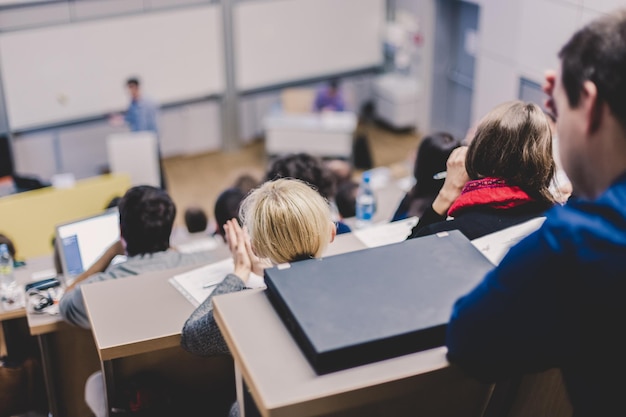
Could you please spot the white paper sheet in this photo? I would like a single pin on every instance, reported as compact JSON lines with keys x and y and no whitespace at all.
{"x":196,"y":285}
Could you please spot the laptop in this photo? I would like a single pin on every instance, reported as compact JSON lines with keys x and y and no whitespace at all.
{"x":378,"y":303}
{"x":81,"y":242}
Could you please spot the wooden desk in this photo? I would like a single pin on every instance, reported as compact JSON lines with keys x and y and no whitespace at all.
{"x":282,"y":382}
{"x":68,"y":355}
{"x":24,"y":275}
{"x":136,"y":325}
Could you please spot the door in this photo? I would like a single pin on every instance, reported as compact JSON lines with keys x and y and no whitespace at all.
{"x":456,"y":37}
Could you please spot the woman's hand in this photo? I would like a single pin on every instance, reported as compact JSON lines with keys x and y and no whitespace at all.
{"x":456,"y":178}
{"x":237,"y":244}
{"x":244,"y":257}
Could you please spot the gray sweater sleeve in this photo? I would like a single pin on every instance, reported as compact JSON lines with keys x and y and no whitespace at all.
{"x":72,"y":308}
{"x":200,"y":334}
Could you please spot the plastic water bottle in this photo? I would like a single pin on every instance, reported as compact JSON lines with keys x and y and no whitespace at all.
{"x":365,"y":203}
{"x":7,"y":278}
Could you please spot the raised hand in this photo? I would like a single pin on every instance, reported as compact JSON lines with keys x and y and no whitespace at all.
{"x":237,"y":244}
{"x":456,"y":178}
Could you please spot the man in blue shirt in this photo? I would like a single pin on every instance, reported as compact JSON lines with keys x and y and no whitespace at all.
{"x":557,"y":299}
{"x":142,"y":115}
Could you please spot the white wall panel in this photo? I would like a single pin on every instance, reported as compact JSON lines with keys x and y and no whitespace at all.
{"x":495,"y":82}
{"x":34,"y":16}
{"x":35,"y":155}
{"x":100,"y":8}
{"x":78,"y":71}
{"x":545,"y":27}
{"x":605,"y":6}
{"x":278,"y":41}
{"x":499,"y":28}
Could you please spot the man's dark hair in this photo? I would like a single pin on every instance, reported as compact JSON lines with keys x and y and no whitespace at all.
{"x":597,"y":53}
{"x":227,"y":207}
{"x":133,"y":81}
{"x":306,"y":168}
{"x":346,"y":198}
{"x":195,"y":220}
{"x":115,"y":201}
{"x":333,"y":84}
{"x":146,"y":218}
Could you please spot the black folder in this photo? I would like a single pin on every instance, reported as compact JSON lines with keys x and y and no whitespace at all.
{"x":377,"y":303}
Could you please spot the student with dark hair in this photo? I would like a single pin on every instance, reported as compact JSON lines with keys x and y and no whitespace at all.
{"x":346,"y":198}
{"x":196,"y":220}
{"x":502,"y":179}
{"x":429,"y":171}
{"x":227,"y":207}
{"x":115,"y":201}
{"x":556,"y":300}
{"x":146,"y":218}
{"x":307,"y":168}
{"x":4,"y":239}
{"x":314,"y":172}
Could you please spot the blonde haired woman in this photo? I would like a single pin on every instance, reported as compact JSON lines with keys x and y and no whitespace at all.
{"x":285,"y":221}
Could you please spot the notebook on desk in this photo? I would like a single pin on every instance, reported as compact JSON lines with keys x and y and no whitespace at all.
{"x":81,"y":242}
{"x":377,"y":303}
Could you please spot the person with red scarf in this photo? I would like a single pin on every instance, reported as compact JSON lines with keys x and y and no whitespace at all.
{"x":502,"y":179}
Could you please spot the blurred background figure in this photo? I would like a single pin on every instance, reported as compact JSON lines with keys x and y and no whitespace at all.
{"x":196,"y":220}
{"x":429,"y":171}
{"x":329,"y":98}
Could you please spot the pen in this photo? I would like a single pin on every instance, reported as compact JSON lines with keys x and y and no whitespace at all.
{"x":211,"y":284}
{"x":440,"y":175}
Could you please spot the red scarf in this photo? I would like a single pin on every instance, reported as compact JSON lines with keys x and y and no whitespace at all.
{"x":489,"y":192}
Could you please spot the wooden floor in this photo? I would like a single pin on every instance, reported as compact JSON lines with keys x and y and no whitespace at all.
{"x":198,"y":180}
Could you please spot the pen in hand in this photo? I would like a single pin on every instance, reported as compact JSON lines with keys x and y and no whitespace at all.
{"x":211,"y":284}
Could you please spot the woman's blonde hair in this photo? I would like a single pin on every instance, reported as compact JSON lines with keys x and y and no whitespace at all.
{"x":514,"y":142}
{"x":287,"y":221}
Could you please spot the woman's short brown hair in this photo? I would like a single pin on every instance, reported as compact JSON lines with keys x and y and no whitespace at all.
{"x":514,"y":142}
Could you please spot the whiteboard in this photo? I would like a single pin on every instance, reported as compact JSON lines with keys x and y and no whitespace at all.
{"x":278,"y":41}
{"x":74,"y":71}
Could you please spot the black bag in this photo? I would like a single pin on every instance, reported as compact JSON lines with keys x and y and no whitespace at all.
{"x":361,"y":154}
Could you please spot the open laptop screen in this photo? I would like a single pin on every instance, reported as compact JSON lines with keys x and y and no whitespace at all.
{"x":80,"y":243}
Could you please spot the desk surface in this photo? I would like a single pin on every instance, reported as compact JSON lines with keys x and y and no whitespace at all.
{"x":24,"y":275}
{"x":148,"y":312}
{"x":136,"y":314}
{"x":279,"y":376}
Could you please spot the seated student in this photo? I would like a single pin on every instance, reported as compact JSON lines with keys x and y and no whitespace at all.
{"x":226,"y":208}
{"x":287,"y":222}
{"x":556,"y":300}
{"x":246,"y":183}
{"x":196,"y":220}
{"x":12,"y":251}
{"x":346,"y":198}
{"x":502,"y":179}
{"x":329,"y":98}
{"x":314,"y":172}
{"x":429,"y":172}
{"x":146,"y":218}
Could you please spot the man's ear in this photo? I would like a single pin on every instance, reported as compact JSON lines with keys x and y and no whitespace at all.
{"x":593,"y":106}
{"x":333,"y":232}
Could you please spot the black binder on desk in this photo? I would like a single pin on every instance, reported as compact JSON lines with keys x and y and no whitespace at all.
{"x":374,"y":304}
